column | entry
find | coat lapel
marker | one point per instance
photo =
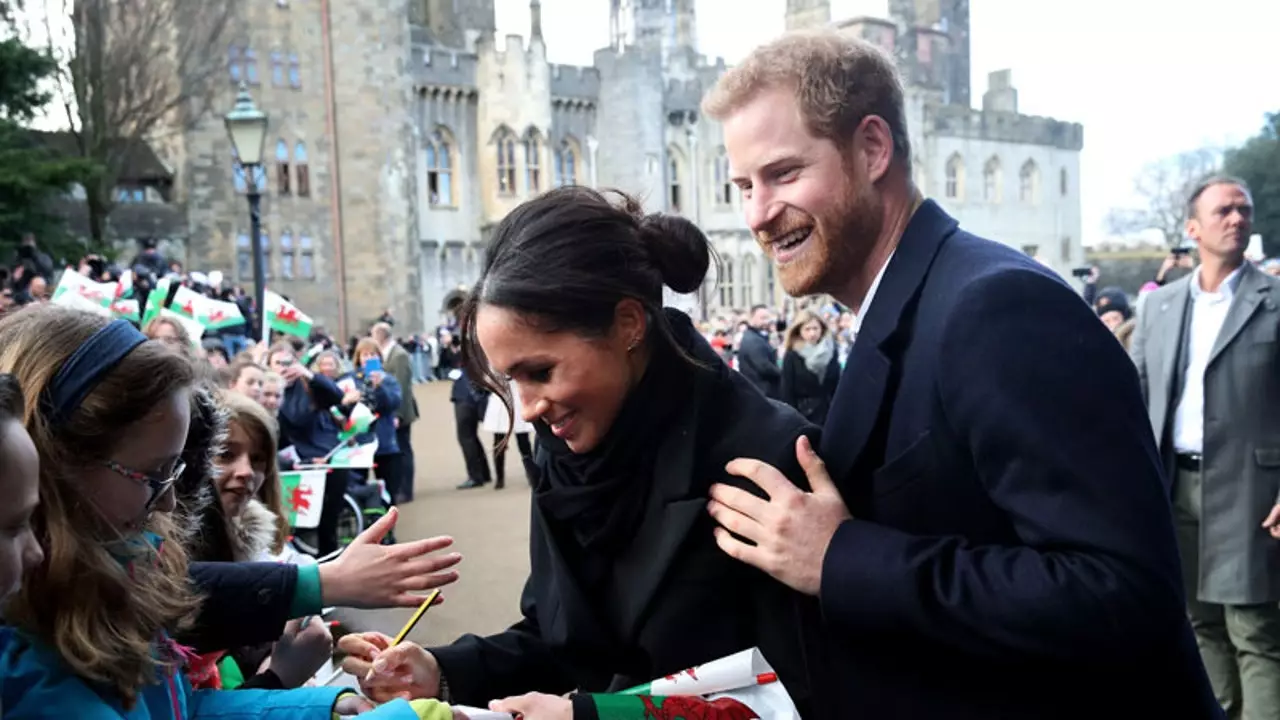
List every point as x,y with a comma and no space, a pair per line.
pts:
1172,317
670,517
1249,295
861,392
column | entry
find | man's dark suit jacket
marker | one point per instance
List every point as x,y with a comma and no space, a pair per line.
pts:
758,362
1012,553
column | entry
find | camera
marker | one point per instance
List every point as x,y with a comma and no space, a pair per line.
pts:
1081,272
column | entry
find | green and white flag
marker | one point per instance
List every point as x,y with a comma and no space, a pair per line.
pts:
354,457
125,309
283,316
188,303
358,422
73,283
155,301
303,497
220,314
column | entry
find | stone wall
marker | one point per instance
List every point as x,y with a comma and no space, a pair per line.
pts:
632,157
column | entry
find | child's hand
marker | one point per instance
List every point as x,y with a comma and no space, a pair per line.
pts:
301,651
536,706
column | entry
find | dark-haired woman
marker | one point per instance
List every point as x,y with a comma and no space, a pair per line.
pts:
636,418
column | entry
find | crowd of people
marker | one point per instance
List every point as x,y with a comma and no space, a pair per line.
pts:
980,507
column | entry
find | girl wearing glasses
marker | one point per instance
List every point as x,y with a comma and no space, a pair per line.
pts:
88,633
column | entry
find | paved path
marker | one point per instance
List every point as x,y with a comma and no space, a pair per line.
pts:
490,529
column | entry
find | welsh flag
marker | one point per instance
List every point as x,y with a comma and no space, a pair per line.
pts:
359,422
74,283
354,457
219,314
188,303
303,497
126,309
283,316
155,301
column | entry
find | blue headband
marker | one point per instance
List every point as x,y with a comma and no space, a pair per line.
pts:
82,372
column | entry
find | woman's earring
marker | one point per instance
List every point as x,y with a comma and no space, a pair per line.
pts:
632,347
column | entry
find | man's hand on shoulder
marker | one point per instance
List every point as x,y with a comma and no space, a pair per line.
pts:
790,531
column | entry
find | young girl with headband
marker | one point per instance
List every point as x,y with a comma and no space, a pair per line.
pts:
87,636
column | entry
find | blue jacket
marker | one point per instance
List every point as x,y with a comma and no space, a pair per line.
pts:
383,400
304,417
36,684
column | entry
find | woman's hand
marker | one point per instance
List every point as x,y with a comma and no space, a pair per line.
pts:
375,377
536,706
369,575
385,673
351,397
300,652
294,372
351,704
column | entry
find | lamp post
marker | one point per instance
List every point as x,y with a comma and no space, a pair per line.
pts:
247,128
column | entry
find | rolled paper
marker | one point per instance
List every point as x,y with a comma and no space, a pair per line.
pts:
740,670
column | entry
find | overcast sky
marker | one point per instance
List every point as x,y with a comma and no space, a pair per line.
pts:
1147,78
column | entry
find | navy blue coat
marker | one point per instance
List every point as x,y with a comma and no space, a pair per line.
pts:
1012,552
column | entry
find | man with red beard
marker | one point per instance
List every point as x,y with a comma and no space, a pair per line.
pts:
990,535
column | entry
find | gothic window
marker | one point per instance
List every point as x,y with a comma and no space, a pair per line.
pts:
724,187
250,66
747,281
506,164
726,282
306,258
532,162
244,257
295,72
440,169
277,69
1062,182
769,282
1065,249
234,68
955,177
1029,183
282,167
566,163
674,194
992,179
301,169
286,255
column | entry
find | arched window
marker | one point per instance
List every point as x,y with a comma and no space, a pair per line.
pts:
726,282
566,163
532,162
306,258
277,69
286,255
439,157
675,192
1063,187
301,169
234,67
1029,183
250,66
268,270
747,280
955,177
992,181
295,72
244,257
506,149
724,187
282,166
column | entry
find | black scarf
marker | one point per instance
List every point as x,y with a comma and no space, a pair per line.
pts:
600,496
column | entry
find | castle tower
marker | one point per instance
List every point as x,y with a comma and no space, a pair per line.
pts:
513,123
950,18
686,24
634,160
455,24
653,27
806,14
535,20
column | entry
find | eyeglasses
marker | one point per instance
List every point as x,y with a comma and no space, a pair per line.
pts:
157,484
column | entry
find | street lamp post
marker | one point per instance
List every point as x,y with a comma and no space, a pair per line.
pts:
247,128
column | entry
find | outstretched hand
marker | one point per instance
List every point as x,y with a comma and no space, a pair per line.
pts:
370,575
791,530
389,672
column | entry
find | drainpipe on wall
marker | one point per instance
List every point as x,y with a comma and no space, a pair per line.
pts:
335,181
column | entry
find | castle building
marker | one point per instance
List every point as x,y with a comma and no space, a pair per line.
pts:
402,131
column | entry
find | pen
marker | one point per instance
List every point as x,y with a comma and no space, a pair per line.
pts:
408,627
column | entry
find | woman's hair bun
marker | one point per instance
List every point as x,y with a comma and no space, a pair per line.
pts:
679,248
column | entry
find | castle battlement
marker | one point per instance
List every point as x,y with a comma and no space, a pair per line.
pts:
1007,127
683,95
575,81
439,67
631,60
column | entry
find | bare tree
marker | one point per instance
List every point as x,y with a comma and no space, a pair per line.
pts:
133,70
1164,187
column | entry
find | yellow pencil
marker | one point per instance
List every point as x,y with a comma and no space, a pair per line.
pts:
417,615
